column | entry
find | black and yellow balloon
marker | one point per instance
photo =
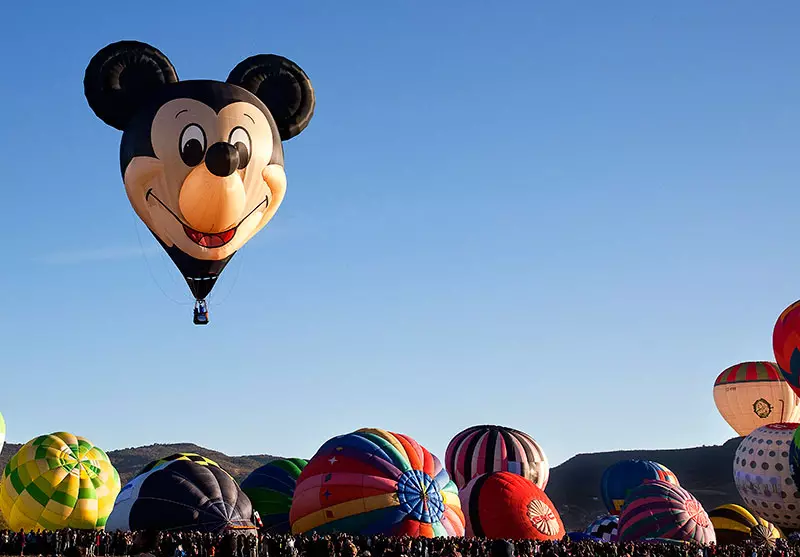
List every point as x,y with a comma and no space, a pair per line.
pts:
735,525
58,481
202,160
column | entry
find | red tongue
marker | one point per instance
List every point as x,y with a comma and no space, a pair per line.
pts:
210,240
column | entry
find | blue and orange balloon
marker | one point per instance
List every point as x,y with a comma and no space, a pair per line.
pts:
620,478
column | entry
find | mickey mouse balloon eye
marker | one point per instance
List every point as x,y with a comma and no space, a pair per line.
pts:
240,139
206,211
193,145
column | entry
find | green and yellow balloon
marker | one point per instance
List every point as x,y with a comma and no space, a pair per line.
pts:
58,481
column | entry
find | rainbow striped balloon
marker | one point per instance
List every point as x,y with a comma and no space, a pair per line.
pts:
373,482
659,509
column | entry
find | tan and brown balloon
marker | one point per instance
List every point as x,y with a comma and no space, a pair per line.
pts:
202,160
753,394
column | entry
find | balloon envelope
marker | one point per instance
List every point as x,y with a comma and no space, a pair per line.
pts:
621,477
735,525
271,489
490,448
58,481
752,394
507,506
661,510
373,482
762,476
786,345
184,491
604,528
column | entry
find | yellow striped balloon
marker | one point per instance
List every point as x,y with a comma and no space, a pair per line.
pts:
58,481
734,524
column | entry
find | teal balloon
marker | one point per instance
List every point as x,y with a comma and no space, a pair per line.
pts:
271,489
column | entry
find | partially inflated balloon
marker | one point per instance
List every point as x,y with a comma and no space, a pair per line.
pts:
271,488
762,475
604,528
184,491
786,344
661,510
58,481
373,482
202,160
735,525
622,477
505,505
752,394
483,449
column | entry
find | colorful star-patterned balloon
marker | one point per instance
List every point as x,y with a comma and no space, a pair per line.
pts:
372,482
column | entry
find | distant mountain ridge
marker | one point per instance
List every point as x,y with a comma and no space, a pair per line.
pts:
574,486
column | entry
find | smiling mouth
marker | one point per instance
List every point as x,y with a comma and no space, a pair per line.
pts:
210,240
206,239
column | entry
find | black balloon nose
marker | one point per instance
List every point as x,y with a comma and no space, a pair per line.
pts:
222,159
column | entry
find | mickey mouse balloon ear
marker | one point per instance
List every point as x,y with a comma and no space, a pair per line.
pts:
281,85
121,78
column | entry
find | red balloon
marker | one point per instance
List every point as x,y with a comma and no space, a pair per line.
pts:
505,505
786,345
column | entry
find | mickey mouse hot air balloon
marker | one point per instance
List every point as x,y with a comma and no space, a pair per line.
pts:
202,160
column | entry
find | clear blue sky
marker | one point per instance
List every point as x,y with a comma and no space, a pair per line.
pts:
562,217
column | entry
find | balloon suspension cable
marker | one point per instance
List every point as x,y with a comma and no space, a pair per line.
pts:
218,301
147,264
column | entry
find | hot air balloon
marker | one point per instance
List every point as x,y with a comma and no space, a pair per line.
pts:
662,510
604,528
786,345
752,394
58,481
762,476
507,506
735,525
202,161
372,482
184,491
2,432
483,449
621,477
271,488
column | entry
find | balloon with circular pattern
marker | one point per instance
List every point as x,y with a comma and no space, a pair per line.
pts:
482,449
751,394
58,481
621,477
271,489
373,481
604,528
735,525
184,491
762,475
662,510
786,345
507,506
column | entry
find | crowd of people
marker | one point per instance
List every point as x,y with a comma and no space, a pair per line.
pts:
250,543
